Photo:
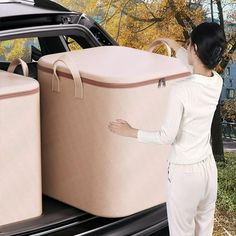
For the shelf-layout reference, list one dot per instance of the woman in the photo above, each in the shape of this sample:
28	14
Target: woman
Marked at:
192	171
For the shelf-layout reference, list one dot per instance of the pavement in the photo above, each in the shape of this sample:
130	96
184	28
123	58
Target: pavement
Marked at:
229	145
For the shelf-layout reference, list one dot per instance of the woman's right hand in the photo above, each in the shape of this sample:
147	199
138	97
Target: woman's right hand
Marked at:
123	128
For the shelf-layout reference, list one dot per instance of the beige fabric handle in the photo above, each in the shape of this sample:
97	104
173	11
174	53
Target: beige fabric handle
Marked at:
153	45
68	62
17	62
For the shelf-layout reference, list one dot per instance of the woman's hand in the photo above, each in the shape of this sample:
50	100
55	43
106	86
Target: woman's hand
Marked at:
122	128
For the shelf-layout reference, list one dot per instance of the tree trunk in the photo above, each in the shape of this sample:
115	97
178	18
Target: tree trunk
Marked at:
216	136
212	12
220	13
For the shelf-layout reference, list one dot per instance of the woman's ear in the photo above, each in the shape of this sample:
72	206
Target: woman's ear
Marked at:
195	48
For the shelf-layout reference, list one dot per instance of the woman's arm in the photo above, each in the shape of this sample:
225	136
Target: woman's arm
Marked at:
182	54
168	131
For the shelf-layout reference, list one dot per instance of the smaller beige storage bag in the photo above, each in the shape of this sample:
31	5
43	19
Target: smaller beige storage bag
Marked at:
20	164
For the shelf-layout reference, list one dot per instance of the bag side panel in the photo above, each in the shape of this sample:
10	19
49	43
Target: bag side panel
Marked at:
87	166
20	160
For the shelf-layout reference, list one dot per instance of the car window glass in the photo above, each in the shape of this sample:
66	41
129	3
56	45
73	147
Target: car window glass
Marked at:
18	48
72	44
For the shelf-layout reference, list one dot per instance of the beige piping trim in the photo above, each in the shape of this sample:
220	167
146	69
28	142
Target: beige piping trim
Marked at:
19	94
114	85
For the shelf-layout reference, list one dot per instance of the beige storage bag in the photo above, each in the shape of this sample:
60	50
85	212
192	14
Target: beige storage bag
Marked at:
20	160
84	164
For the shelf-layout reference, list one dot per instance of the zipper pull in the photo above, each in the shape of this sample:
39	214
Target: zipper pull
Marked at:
161	81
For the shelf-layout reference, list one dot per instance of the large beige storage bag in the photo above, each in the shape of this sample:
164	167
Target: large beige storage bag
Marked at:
86	165
20	159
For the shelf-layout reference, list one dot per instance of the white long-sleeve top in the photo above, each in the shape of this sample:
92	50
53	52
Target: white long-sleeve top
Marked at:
190	110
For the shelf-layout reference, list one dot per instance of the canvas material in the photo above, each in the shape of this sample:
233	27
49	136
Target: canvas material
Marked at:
14	83
117	64
87	166
20	154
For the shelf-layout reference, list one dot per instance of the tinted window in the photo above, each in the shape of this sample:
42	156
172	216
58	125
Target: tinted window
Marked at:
18	48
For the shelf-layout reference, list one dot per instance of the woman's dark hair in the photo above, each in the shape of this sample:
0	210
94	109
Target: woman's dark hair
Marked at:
211	43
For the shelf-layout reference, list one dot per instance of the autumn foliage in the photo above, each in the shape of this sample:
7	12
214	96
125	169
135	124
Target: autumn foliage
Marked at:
137	23
228	110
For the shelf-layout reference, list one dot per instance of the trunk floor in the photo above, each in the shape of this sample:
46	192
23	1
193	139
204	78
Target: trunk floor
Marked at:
61	219
55	214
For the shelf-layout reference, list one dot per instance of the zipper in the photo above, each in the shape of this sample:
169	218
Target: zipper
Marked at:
159	81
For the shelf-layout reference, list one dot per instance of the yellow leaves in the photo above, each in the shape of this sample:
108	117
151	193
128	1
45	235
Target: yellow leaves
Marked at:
16	49
88	7
228	110
219	69
1	49
13	49
73	45
137	23
180	4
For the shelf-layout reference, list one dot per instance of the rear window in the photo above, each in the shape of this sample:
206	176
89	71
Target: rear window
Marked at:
18	48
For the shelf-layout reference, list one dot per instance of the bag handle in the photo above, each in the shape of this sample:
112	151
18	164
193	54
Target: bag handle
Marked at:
17	62
153	45
68	62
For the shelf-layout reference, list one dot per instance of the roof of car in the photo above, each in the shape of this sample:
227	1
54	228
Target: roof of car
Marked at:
10	8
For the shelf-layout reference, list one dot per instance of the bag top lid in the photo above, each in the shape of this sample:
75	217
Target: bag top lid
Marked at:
118	64
14	85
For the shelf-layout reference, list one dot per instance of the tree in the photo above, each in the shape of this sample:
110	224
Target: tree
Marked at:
228	111
12	49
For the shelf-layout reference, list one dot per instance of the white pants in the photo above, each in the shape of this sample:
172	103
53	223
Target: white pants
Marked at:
191	197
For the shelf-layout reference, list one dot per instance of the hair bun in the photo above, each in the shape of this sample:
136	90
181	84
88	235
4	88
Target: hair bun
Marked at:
211	42
217	54
217	51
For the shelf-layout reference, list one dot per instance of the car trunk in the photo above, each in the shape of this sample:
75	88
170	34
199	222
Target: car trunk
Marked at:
61	219
58	217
